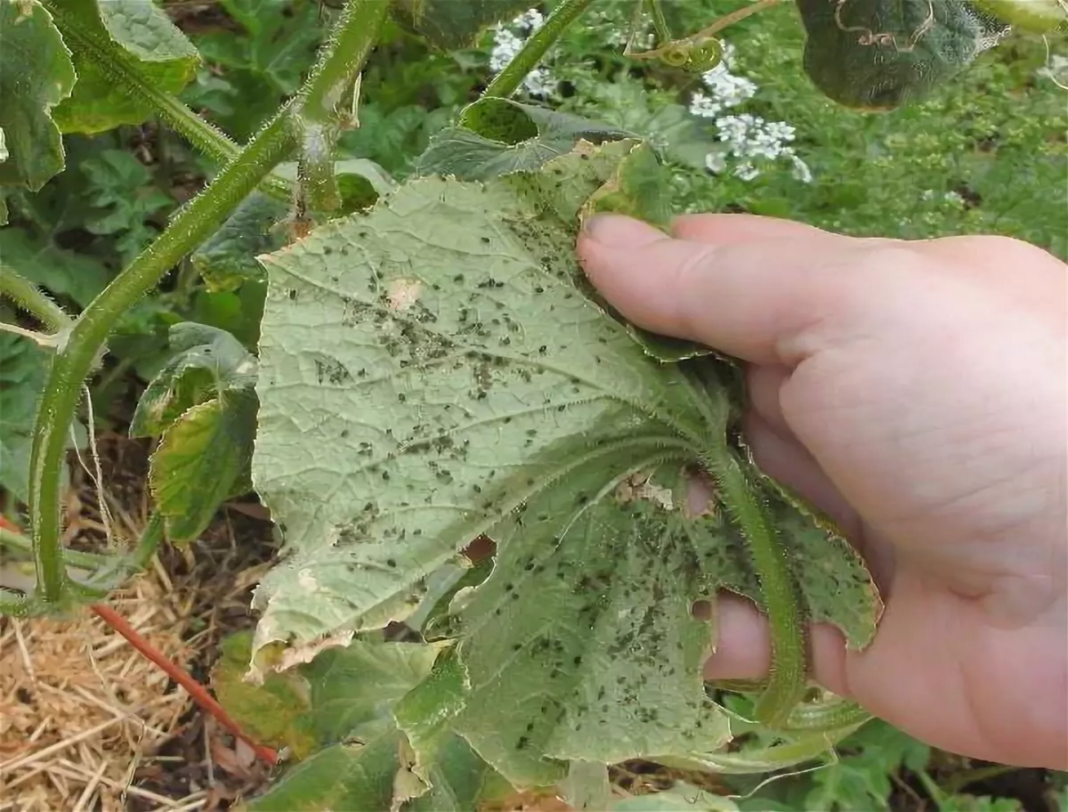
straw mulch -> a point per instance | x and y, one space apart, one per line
88 724
81 710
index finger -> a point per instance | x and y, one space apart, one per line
753 293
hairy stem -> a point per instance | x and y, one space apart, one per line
765 759
198 132
356 32
506 82
789 661
31 299
17 541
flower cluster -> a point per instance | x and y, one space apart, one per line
508 39
746 139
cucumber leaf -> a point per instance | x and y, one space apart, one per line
126 35
879 54
36 74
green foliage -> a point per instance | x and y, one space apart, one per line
23 367
139 36
877 54
434 366
335 714
1036 16
202 406
498 136
36 74
70 276
124 194
451 25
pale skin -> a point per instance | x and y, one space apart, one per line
918 393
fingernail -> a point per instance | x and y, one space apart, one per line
618 231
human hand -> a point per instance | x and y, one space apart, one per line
917 392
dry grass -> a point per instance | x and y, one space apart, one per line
80 709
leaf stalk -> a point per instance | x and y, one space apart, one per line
789 661
33 300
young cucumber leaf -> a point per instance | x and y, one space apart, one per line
202 403
36 74
878 54
353 776
448 24
498 136
202 460
437 369
136 35
207 362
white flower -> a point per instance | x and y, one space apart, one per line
801 170
746 171
716 162
505 46
530 21
724 89
539 82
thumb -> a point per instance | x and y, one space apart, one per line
751 293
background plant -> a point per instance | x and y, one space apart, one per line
737 139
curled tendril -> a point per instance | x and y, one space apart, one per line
699 56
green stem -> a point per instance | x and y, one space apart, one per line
505 83
31 299
789 663
357 30
151 537
16 541
201 134
833 714
663 31
763 759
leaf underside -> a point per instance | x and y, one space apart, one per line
438 369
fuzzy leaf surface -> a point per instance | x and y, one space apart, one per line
136 34
418 368
36 74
